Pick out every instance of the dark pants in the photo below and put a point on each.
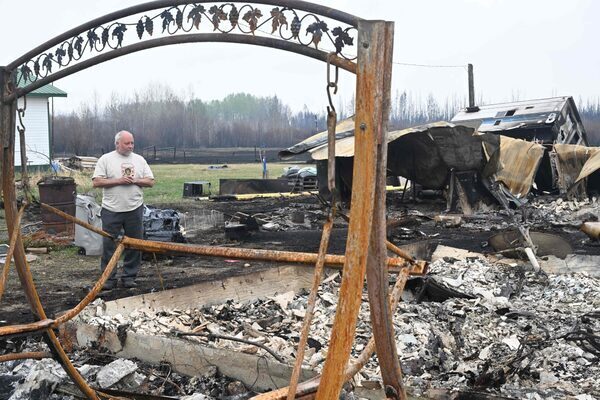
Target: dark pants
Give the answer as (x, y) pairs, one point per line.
(130, 224)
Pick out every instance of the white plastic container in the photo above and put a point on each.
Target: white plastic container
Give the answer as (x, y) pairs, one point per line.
(86, 209)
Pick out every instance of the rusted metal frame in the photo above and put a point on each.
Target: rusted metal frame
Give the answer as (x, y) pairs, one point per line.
(216, 251)
(95, 290)
(359, 362)
(33, 355)
(399, 252)
(20, 329)
(309, 387)
(179, 39)
(49, 323)
(310, 307)
(7, 136)
(246, 254)
(361, 212)
(77, 221)
(11, 246)
(149, 6)
(377, 275)
(418, 267)
(391, 246)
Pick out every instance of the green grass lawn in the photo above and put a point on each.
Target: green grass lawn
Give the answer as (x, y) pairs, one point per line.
(170, 178)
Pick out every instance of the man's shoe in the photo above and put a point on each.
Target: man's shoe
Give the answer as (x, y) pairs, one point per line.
(129, 283)
(109, 285)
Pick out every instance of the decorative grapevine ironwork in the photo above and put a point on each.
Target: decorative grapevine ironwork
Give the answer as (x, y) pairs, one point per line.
(224, 18)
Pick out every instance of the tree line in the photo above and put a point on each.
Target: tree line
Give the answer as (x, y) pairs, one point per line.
(238, 120)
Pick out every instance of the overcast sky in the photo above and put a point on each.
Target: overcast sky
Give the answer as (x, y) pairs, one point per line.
(519, 48)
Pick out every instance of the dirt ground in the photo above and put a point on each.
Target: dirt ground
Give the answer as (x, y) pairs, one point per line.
(63, 277)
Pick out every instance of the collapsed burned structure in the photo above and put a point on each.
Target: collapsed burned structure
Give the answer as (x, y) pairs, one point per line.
(490, 154)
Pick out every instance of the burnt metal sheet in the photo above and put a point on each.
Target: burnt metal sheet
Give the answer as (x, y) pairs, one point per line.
(427, 155)
(345, 147)
(551, 120)
(571, 160)
(343, 129)
(591, 166)
(512, 162)
(423, 153)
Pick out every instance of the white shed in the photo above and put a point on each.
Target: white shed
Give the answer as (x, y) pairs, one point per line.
(38, 126)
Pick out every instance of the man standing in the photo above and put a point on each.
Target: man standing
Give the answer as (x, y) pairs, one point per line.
(122, 174)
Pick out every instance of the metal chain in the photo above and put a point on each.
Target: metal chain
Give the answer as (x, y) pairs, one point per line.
(23, 150)
(331, 125)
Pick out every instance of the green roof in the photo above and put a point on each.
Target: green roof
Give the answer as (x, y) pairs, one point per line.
(45, 91)
(48, 91)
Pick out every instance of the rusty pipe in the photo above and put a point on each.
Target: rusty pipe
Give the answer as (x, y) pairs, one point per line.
(246, 254)
(399, 252)
(216, 251)
(33, 355)
(16, 231)
(20, 329)
(54, 323)
(310, 307)
(377, 274)
(71, 218)
(94, 291)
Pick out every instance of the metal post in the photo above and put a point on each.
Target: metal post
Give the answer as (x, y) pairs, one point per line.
(377, 275)
(372, 62)
(471, 87)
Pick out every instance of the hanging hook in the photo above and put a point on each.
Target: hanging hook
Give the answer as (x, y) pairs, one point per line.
(330, 83)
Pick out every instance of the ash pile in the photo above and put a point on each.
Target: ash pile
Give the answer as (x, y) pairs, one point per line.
(479, 324)
(46, 379)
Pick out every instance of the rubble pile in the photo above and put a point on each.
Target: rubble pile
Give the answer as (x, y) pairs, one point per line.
(524, 334)
(564, 213)
(295, 217)
(46, 379)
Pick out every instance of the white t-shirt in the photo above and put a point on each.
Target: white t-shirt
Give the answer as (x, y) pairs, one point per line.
(122, 198)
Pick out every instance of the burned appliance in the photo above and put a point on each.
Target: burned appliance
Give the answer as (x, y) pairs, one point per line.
(162, 225)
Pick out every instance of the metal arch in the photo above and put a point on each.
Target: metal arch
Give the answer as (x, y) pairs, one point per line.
(189, 38)
(153, 5)
(373, 70)
(290, 19)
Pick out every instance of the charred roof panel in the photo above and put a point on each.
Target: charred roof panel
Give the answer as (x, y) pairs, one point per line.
(551, 120)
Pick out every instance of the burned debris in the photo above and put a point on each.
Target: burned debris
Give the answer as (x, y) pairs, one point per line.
(499, 301)
(441, 321)
(496, 154)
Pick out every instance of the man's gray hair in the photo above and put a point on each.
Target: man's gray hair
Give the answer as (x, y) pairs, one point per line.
(119, 134)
